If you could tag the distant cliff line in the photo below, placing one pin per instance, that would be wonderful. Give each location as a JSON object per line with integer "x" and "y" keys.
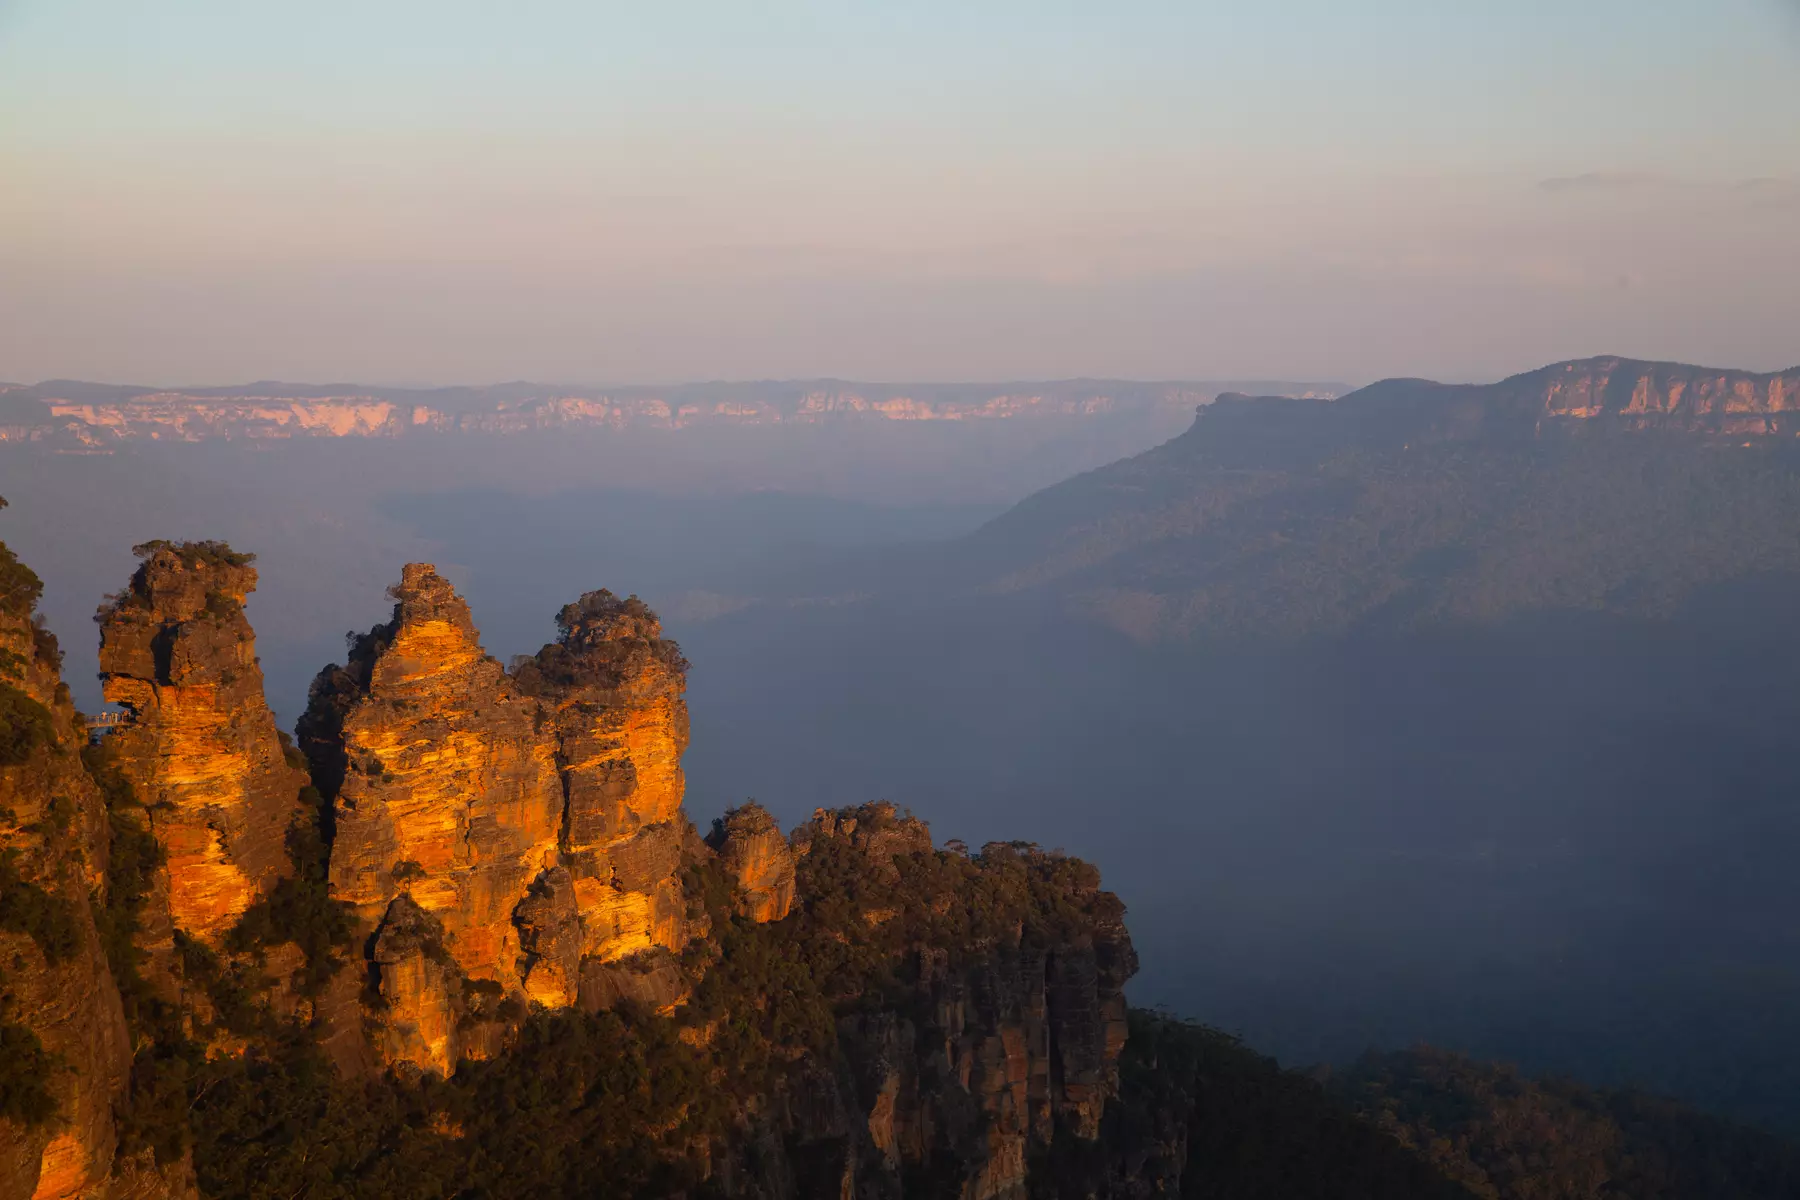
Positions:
{"x": 98, "y": 414}
{"x": 1592, "y": 393}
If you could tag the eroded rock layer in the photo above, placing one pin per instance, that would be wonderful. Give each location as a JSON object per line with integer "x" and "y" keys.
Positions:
{"x": 534, "y": 821}
{"x": 758, "y": 859}
{"x": 999, "y": 1025}
{"x": 200, "y": 747}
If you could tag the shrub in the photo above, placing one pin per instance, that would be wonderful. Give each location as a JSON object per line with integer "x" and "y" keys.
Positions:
{"x": 196, "y": 554}
{"x": 25, "y": 1072}
{"x": 20, "y": 588}
{"x": 299, "y": 909}
{"x": 24, "y": 726}
{"x": 26, "y": 908}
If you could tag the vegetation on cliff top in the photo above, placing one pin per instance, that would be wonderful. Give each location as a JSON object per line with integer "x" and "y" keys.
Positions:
{"x": 195, "y": 554}
{"x": 24, "y": 726}
{"x": 602, "y": 641}
{"x": 1506, "y": 1136}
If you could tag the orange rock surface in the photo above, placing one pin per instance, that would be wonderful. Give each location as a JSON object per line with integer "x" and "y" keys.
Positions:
{"x": 535, "y": 821}
{"x": 757, "y": 856}
{"x": 200, "y": 747}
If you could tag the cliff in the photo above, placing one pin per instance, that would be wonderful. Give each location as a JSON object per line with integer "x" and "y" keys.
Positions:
{"x": 501, "y": 836}
{"x": 64, "y": 1053}
{"x": 497, "y": 895}
{"x": 980, "y": 1000}
{"x": 199, "y": 747}
{"x": 98, "y": 416}
{"x": 1586, "y": 396}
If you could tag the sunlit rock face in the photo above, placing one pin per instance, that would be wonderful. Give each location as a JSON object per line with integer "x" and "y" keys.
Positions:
{"x": 1669, "y": 396}
{"x": 201, "y": 748}
{"x": 612, "y": 688}
{"x": 449, "y": 796}
{"x": 419, "y": 986}
{"x": 754, "y": 852}
{"x": 55, "y": 988}
{"x": 534, "y": 818}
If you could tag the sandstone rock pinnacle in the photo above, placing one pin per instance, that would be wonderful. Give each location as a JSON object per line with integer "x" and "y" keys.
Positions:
{"x": 201, "y": 747}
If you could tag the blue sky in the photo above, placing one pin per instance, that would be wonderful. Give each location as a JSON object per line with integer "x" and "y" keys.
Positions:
{"x": 389, "y": 190}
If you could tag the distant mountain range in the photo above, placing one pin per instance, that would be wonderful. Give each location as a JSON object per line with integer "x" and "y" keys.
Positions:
{"x": 1605, "y": 484}
{"x": 88, "y": 414}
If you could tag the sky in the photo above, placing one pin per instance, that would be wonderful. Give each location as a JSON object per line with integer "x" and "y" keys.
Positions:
{"x": 391, "y": 191}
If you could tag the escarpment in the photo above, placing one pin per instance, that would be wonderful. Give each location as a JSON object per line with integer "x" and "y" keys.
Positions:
{"x": 64, "y": 1051}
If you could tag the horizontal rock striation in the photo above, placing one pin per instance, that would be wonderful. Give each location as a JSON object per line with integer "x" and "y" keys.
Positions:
{"x": 534, "y": 821}
{"x": 1589, "y": 396}
{"x": 200, "y": 747}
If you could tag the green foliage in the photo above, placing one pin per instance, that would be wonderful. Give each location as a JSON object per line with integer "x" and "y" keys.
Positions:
{"x": 1510, "y": 1137}
{"x": 602, "y": 641}
{"x": 27, "y": 908}
{"x": 26, "y": 1069}
{"x": 152, "y": 1114}
{"x": 290, "y": 753}
{"x": 20, "y": 588}
{"x": 44, "y": 647}
{"x": 221, "y": 607}
{"x": 25, "y": 725}
{"x": 195, "y": 554}
{"x": 1235, "y": 1126}
{"x": 583, "y": 1105}
{"x": 299, "y": 909}
{"x": 233, "y": 987}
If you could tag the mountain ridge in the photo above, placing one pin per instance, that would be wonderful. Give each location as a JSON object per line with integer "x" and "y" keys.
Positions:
{"x": 74, "y": 412}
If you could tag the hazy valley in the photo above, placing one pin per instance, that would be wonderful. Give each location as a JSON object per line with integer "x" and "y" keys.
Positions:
{"x": 1454, "y": 714}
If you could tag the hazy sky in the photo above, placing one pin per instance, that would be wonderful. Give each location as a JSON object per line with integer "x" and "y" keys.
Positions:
{"x": 390, "y": 190}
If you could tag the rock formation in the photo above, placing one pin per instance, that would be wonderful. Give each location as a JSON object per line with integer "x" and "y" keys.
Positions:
{"x": 1000, "y": 1041}
{"x": 200, "y": 747}
{"x": 612, "y": 688}
{"x": 63, "y": 1045}
{"x": 536, "y": 821}
{"x": 758, "y": 858}
{"x": 851, "y": 1012}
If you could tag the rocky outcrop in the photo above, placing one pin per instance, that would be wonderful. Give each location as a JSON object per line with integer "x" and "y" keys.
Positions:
{"x": 66, "y": 1054}
{"x": 446, "y": 794}
{"x": 536, "y": 820}
{"x": 996, "y": 1048}
{"x": 756, "y": 855}
{"x": 1670, "y": 396}
{"x": 200, "y": 747}
{"x": 612, "y": 688}
{"x": 1585, "y": 397}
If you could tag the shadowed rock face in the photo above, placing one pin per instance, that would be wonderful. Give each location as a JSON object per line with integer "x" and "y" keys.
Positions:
{"x": 54, "y": 980}
{"x": 536, "y": 820}
{"x": 201, "y": 749}
{"x": 991, "y": 1053}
